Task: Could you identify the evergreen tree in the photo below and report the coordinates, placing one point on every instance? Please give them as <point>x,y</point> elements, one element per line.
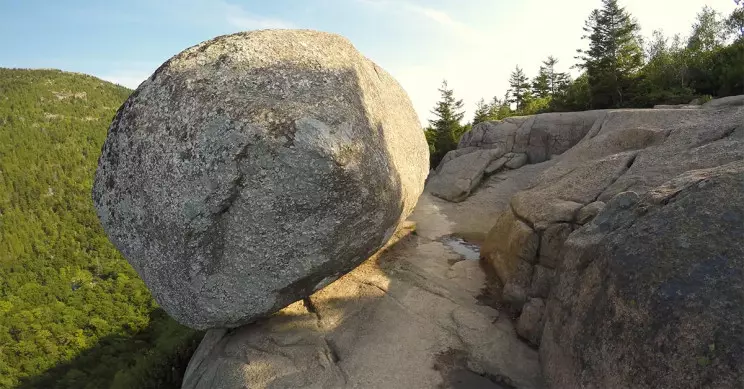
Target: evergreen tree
<point>482,112</point>
<point>519,87</point>
<point>550,82</point>
<point>614,54</point>
<point>541,83</point>
<point>446,127</point>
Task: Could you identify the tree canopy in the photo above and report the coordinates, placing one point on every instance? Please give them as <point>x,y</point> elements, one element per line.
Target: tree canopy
<point>73,313</point>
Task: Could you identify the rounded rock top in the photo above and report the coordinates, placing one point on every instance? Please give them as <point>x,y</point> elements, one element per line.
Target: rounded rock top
<point>254,168</point>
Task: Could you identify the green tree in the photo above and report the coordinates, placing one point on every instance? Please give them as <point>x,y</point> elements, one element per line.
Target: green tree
<point>520,87</point>
<point>706,43</point>
<point>709,31</point>
<point>482,112</point>
<point>614,55</point>
<point>445,128</point>
<point>735,21</point>
<point>541,84</point>
<point>662,79</point>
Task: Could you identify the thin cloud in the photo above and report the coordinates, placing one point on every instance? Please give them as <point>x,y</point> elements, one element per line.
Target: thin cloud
<point>237,17</point>
<point>436,15</point>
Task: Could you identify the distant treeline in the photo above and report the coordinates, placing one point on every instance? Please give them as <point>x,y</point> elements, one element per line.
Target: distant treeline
<point>619,69</point>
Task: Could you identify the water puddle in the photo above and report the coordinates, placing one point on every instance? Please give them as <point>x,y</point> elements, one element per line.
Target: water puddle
<point>461,246</point>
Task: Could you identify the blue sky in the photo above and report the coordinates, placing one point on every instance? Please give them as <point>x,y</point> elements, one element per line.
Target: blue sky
<point>474,44</point>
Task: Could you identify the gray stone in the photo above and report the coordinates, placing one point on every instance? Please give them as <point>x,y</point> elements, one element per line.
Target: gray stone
<point>677,106</point>
<point>254,168</point>
<point>725,102</point>
<point>650,293</point>
<point>589,211</point>
<point>454,154</point>
<point>517,160</point>
<point>517,287</point>
<point>551,243</point>
<point>461,175</point>
<point>531,321</point>
<point>541,279</point>
<point>495,166</point>
<point>509,243</point>
<point>555,133</point>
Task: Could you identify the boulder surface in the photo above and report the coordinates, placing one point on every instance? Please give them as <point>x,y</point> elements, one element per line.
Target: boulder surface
<point>649,294</point>
<point>255,168</point>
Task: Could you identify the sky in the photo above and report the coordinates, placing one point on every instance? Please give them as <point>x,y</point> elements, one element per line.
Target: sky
<point>473,44</point>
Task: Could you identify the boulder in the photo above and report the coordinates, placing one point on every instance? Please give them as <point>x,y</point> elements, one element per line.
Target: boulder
<point>551,243</point>
<point>509,243</point>
<point>516,161</point>
<point>730,101</point>
<point>589,211</point>
<point>650,293</point>
<point>517,287</point>
<point>541,279</point>
<point>252,169</point>
<point>530,322</point>
<point>496,165</point>
<point>454,154</point>
<point>460,175</point>
<point>555,133</point>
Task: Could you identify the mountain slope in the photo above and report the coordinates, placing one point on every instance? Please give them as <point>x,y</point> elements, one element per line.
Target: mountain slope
<point>73,313</point>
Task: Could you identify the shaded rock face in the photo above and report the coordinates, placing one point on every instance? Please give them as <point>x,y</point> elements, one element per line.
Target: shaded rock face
<point>650,293</point>
<point>252,169</point>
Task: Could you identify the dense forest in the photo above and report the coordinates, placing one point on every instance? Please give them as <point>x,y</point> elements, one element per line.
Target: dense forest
<point>73,313</point>
<point>618,69</point>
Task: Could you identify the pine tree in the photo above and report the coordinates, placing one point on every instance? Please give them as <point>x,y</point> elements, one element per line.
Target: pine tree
<point>614,54</point>
<point>446,127</point>
<point>482,112</point>
<point>500,107</point>
<point>541,83</point>
<point>550,82</point>
<point>519,87</point>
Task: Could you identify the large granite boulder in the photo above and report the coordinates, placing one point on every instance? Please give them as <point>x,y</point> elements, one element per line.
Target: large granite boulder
<point>255,168</point>
<point>650,293</point>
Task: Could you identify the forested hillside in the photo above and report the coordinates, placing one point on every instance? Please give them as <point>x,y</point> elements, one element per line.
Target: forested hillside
<point>73,313</point>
